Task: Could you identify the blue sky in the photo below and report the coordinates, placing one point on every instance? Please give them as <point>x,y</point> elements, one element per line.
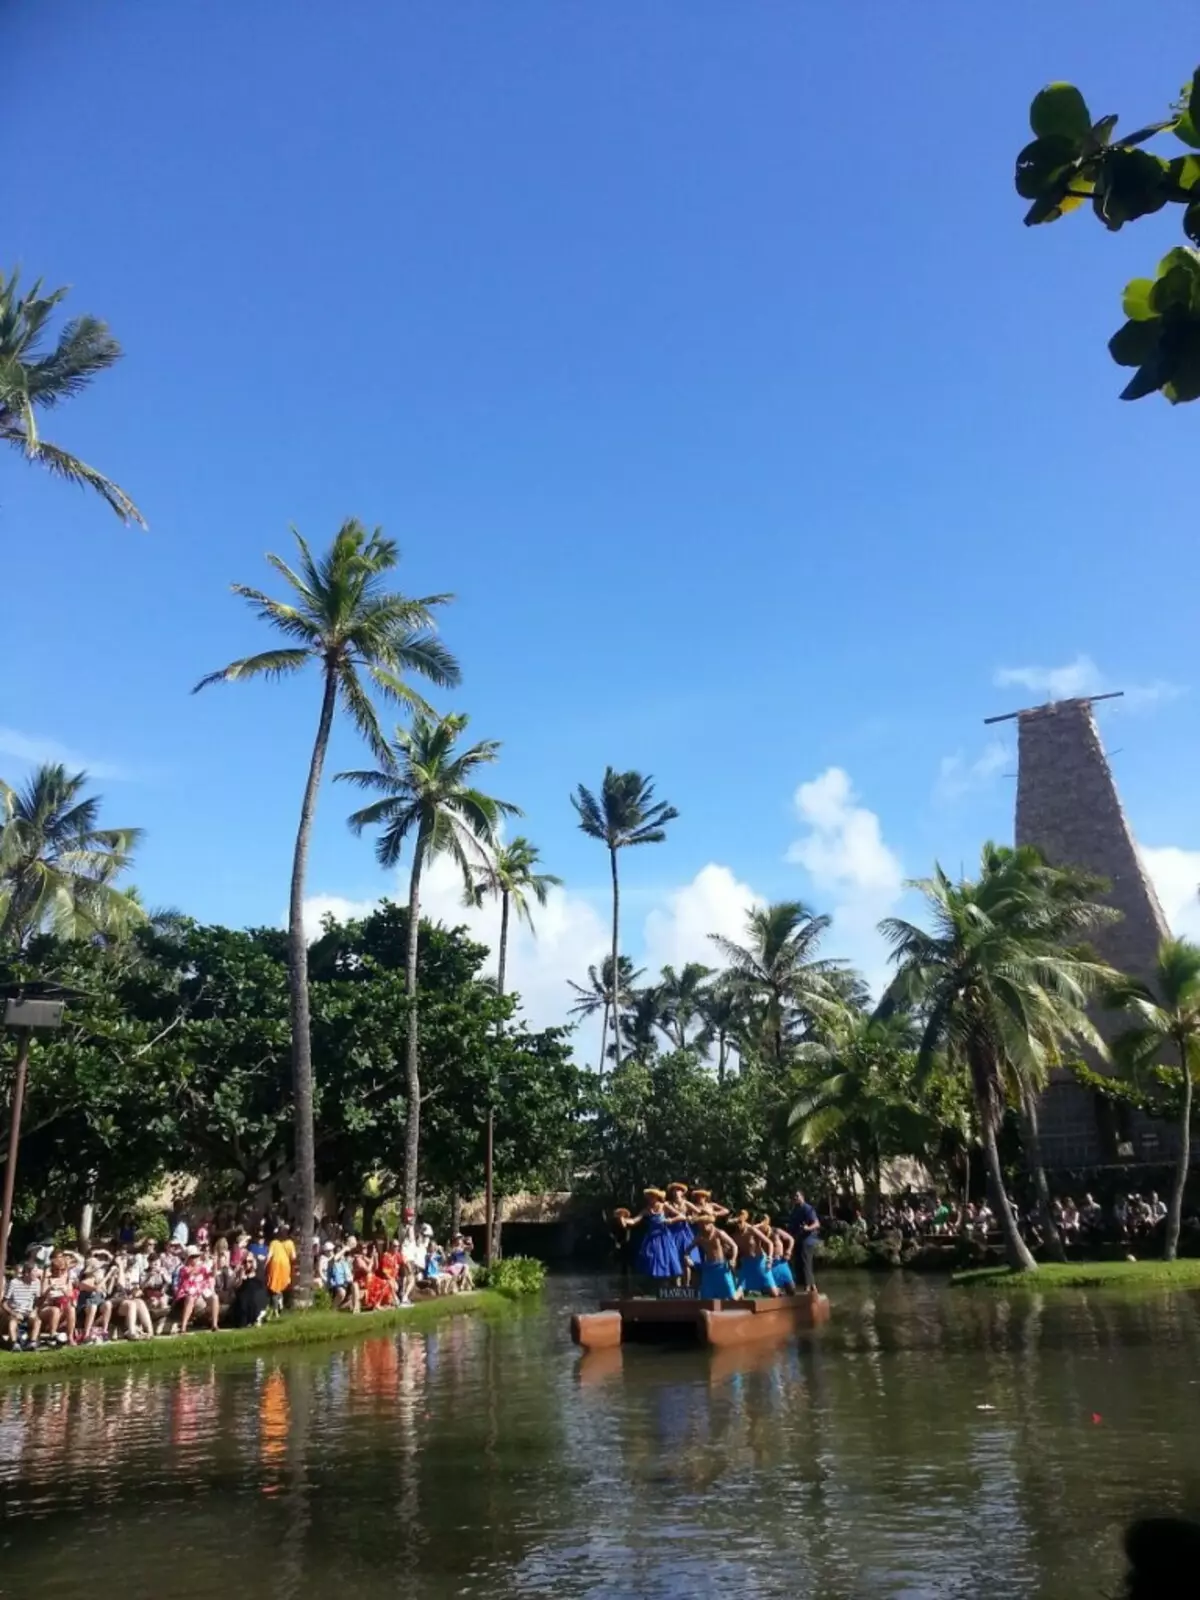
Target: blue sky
<point>699,349</point>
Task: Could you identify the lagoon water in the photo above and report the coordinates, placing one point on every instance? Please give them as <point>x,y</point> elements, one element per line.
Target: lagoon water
<point>929,1442</point>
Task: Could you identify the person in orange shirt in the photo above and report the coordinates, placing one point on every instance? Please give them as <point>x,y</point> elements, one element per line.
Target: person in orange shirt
<point>281,1257</point>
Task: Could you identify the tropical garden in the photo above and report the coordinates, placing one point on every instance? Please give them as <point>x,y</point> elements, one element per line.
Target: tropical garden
<point>387,1060</point>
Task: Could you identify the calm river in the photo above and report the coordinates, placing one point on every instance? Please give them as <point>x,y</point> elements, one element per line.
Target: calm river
<point>927,1443</point>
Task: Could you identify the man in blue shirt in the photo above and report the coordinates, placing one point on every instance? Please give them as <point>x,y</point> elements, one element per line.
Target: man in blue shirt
<point>805,1227</point>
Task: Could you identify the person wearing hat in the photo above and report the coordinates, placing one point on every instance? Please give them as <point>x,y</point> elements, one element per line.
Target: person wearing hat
<point>719,1258</point>
<point>658,1255</point>
<point>196,1288</point>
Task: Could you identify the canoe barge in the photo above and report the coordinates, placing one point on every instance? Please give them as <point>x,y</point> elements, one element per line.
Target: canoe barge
<point>718,1323</point>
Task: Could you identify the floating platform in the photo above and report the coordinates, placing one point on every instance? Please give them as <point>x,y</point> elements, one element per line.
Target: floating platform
<point>718,1323</point>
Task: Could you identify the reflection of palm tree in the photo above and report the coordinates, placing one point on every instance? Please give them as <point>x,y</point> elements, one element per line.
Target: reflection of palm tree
<point>597,995</point>
<point>58,868</point>
<point>625,813</point>
<point>428,795</point>
<point>1166,1021</point>
<point>998,986</point>
<point>35,378</point>
<point>778,968</point>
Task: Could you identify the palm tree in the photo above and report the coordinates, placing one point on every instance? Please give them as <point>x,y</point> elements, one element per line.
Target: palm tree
<point>340,615</point>
<point>509,875</point>
<point>1166,1020</point>
<point>428,795</point>
<point>778,967</point>
<point>864,1093</point>
<point>723,1023</point>
<point>597,995</point>
<point>641,1022</point>
<point>58,867</point>
<point>34,376</point>
<point>998,988</point>
<point>681,1000</point>
<point>625,813</point>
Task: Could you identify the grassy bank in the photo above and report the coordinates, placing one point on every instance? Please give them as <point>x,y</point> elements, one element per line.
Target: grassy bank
<point>298,1328</point>
<point>1054,1275</point>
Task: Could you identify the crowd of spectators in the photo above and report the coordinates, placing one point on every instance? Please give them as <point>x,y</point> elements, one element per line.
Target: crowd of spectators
<point>1130,1220</point>
<point>139,1289</point>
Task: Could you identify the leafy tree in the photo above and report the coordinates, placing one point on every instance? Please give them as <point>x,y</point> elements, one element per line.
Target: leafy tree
<point>340,615</point>
<point>600,994</point>
<point>864,1094</point>
<point>624,814</point>
<point>428,795</point>
<point>37,377</point>
<point>1072,159</point>
<point>777,968</point>
<point>58,868</point>
<point>1165,1019</point>
<point>998,988</point>
<point>509,875</point>
<point>681,1000</point>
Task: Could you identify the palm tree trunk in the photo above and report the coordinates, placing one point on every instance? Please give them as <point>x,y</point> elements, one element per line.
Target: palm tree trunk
<point>412,1122</point>
<point>302,1070</point>
<point>491,1216</point>
<point>603,1040</point>
<point>1015,1247</point>
<point>722,1055</point>
<point>1032,1138</point>
<point>1175,1209</point>
<point>616,957</point>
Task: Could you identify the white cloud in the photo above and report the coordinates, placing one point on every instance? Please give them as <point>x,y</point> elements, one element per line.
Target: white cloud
<point>570,933</point>
<point>1175,874</point>
<point>958,777</point>
<point>678,932</point>
<point>1083,677</point>
<point>35,751</point>
<point>850,865</point>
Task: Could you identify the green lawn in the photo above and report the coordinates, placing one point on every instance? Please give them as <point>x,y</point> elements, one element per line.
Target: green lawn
<point>302,1327</point>
<point>1131,1275</point>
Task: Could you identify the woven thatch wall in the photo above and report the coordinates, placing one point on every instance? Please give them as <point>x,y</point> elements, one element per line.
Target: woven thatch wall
<point>1067,805</point>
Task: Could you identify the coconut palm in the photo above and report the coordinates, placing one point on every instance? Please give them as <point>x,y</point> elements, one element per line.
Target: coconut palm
<point>999,988</point>
<point>640,1024</point>
<point>1165,1028</point>
<point>597,995</point>
<point>723,1023</point>
<point>509,875</point>
<point>680,1000</point>
<point>862,1093</point>
<point>37,376</point>
<point>624,813</point>
<point>58,867</point>
<point>428,796</point>
<point>778,968</point>
<point>341,615</point>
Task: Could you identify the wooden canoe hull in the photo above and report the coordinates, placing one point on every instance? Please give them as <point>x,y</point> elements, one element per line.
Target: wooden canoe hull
<point>720,1324</point>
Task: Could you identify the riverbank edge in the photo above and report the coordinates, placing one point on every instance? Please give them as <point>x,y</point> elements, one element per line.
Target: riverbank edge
<point>296,1328</point>
<point>1057,1275</point>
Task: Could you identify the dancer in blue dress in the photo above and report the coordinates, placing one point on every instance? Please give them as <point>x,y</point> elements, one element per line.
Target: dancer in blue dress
<point>718,1255</point>
<point>658,1252</point>
<point>754,1256</point>
<point>685,1235</point>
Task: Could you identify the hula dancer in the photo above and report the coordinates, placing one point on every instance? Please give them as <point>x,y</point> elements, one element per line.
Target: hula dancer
<point>702,1201</point>
<point>754,1254</point>
<point>718,1259</point>
<point>657,1253</point>
<point>781,1265</point>
<point>685,1234</point>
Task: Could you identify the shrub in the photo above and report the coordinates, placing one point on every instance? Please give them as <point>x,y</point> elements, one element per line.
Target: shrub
<point>514,1276</point>
<point>840,1250</point>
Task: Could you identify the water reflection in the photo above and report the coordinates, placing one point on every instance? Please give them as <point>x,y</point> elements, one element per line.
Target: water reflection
<point>924,1444</point>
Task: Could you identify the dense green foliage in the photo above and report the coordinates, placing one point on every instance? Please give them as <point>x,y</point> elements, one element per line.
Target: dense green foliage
<point>513,1277</point>
<point>175,1058</point>
<point>1072,159</point>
